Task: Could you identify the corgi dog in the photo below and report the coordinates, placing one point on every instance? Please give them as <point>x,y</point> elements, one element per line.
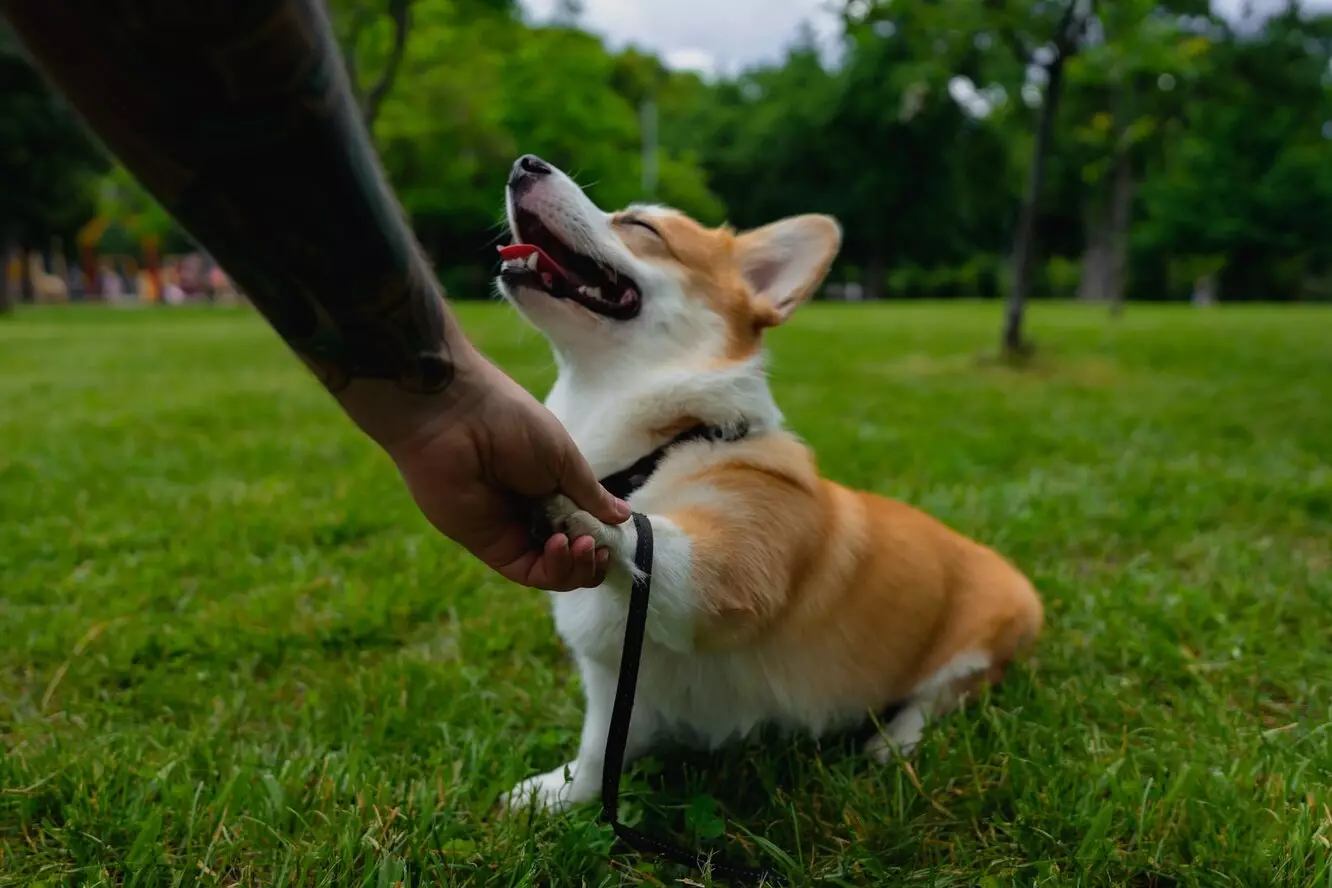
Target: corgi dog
<point>778,598</point>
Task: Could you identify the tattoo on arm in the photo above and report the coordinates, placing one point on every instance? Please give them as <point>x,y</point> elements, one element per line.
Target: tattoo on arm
<point>238,117</point>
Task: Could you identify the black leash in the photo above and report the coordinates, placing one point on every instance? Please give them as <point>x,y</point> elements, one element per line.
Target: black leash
<point>622,484</point>
<point>618,735</point>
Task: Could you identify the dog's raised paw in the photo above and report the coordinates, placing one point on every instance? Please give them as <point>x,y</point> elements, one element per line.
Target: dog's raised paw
<point>583,524</point>
<point>561,511</point>
<point>568,519</point>
<point>558,509</point>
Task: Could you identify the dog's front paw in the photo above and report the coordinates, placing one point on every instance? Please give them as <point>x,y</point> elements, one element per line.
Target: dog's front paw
<point>553,792</point>
<point>567,518</point>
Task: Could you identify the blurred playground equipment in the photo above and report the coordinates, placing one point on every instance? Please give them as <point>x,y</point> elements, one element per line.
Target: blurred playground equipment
<point>119,278</point>
<point>115,265</point>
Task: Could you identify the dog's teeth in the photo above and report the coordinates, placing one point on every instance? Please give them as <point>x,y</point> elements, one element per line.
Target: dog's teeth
<point>590,292</point>
<point>531,260</point>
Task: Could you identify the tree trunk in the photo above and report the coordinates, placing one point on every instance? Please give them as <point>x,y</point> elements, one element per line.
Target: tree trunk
<point>88,262</point>
<point>875,271</point>
<point>1105,261</point>
<point>1121,218</point>
<point>1204,291</point>
<point>1097,262</point>
<point>1013,342</point>
<point>10,286</point>
<point>27,286</point>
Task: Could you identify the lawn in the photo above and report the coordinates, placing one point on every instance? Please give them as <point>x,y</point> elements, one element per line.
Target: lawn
<point>234,653</point>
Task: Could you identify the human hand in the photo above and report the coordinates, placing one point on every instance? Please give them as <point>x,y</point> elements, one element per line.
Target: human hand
<point>479,468</point>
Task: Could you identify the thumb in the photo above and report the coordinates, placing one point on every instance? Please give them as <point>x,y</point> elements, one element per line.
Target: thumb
<point>579,484</point>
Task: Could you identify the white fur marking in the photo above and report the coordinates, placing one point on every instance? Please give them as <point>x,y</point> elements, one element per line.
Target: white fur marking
<point>931,697</point>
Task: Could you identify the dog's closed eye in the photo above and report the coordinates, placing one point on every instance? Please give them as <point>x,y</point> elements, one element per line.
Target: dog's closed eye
<point>639,223</point>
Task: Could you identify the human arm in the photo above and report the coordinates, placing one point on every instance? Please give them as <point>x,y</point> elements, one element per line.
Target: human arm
<point>237,116</point>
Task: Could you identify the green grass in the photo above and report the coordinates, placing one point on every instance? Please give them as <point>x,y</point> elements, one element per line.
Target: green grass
<point>232,652</point>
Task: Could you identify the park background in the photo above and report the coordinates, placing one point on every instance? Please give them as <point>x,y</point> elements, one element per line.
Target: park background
<point>234,653</point>
<point>1149,151</point>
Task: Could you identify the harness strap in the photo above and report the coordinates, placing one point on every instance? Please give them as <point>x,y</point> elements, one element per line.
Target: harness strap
<point>626,481</point>
<point>618,734</point>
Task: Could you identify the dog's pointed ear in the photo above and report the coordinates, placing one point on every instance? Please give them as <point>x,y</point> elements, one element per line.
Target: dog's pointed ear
<point>784,262</point>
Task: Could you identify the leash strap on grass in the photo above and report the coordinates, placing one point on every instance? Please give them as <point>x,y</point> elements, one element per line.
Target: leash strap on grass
<point>618,735</point>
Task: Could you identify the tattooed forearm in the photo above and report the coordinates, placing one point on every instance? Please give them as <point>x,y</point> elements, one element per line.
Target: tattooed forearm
<point>237,116</point>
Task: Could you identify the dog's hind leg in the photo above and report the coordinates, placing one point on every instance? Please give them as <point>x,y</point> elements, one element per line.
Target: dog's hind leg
<point>931,699</point>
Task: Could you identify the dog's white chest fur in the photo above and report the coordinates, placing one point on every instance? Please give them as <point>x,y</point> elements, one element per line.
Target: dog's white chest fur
<point>699,697</point>
<point>702,697</point>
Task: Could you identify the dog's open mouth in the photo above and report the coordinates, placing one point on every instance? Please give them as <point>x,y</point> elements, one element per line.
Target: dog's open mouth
<point>543,262</point>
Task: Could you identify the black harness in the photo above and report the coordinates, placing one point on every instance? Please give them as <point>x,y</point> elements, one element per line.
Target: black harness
<point>622,484</point>
<point>626,481</point>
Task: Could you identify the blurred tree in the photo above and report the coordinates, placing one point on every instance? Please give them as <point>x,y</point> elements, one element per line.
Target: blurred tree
<point>567,13</point>
<point>476,88</point>
<point>49,166</point>
<point>373,36</point>
<point>558,105</point>
<point>122,199</point>
<point>897,145</point>
<point>762,137</point>
<point>1248,173</point>
<point>1196,155</point>
<point>1134,76</point>
<point>125,207</point>
<point>1042,37</point>
<point>1020,47</point>
<point>441,132</point>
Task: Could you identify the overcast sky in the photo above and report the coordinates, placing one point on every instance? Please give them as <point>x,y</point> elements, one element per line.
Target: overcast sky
<point>726,35</point>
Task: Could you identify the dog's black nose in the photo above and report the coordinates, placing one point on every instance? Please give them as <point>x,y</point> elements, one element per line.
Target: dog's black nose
<point>534,165</point>
<point>527,168</point>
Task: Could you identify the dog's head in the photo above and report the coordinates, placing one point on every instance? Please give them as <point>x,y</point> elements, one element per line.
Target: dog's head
<point>649,284</point>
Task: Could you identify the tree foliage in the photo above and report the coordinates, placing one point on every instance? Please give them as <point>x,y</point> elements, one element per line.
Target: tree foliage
<point>49,167</point>
<point>1104,148</point>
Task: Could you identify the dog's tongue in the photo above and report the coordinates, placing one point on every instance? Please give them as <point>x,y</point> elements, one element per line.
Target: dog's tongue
<point>544,264</point>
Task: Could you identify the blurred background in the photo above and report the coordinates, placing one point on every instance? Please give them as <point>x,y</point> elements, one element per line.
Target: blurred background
<point>1057,149</point>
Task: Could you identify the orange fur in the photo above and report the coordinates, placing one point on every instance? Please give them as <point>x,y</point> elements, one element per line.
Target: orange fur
<point>878,595</point>
<point>707,259</point>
